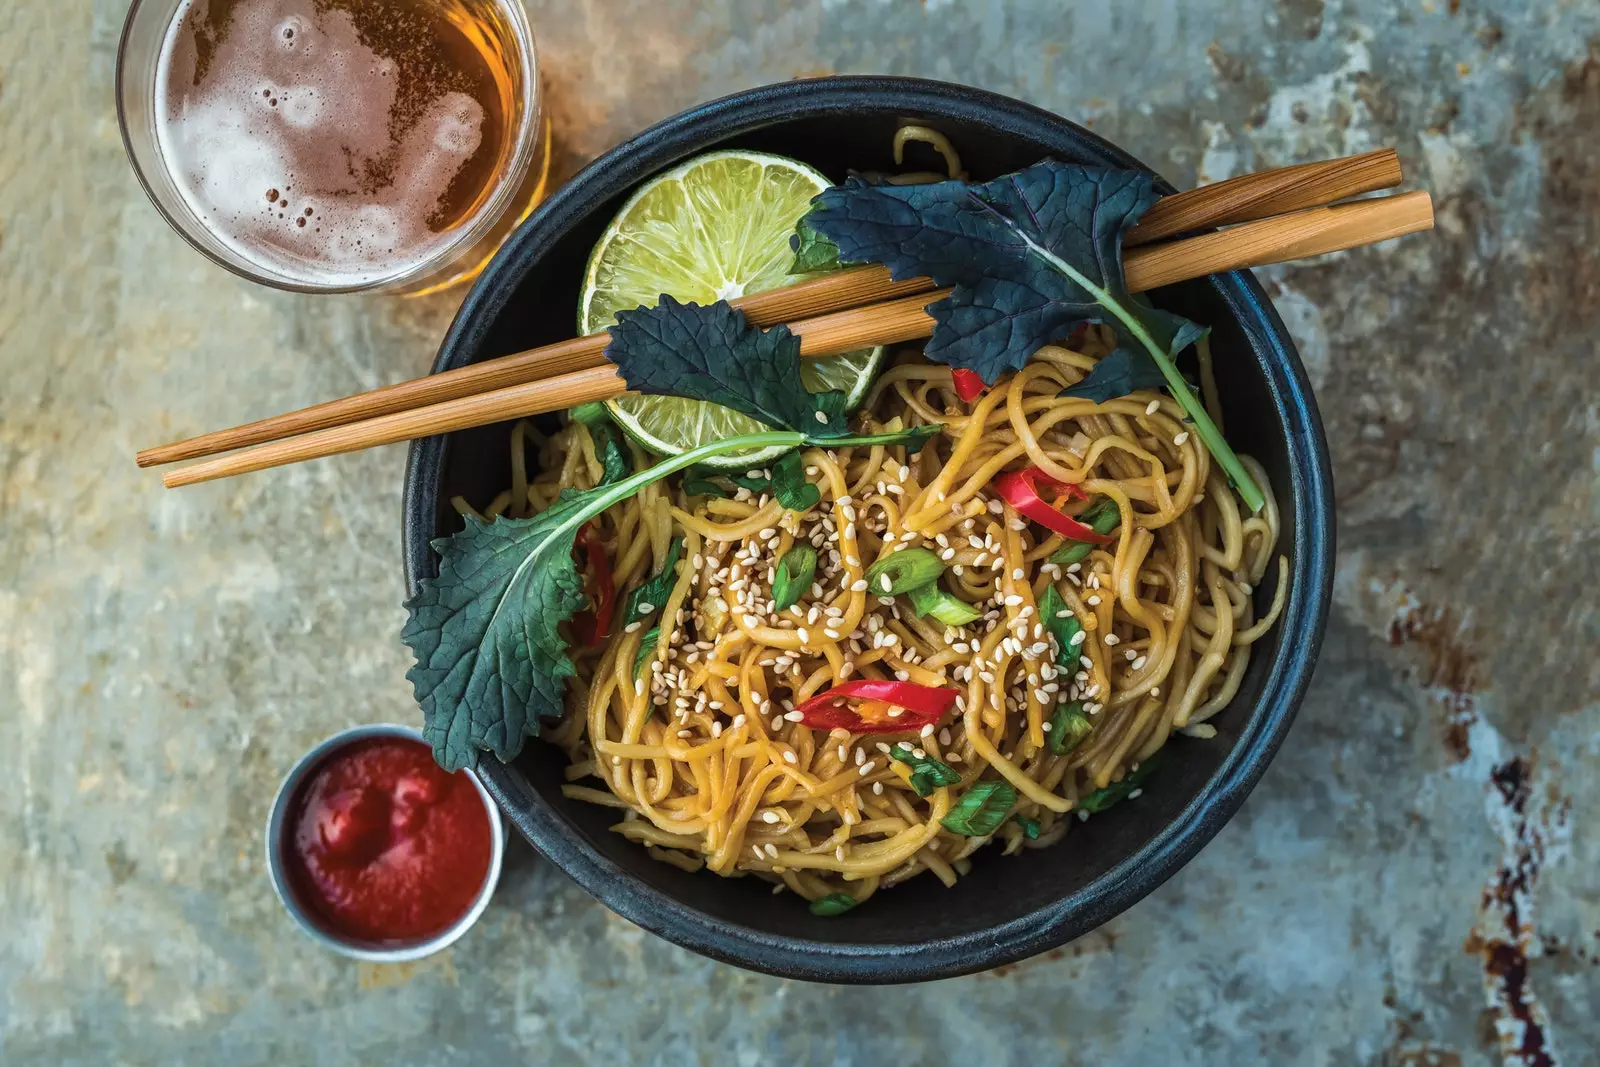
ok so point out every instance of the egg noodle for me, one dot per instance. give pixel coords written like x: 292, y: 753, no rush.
x: 703, y: 751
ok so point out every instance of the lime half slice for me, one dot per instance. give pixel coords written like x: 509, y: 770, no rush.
x: 714, y: 228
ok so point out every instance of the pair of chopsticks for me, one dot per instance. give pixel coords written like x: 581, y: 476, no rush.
x: 1272, y: 217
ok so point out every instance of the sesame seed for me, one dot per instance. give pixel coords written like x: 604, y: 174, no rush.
x: 1152, y: 407
x: 631, y: 627
x: 1092, y: 601
x: 789, y: 757
x: 1013, y: 600
x: 638, y: 687
x: 1181, y: 438
x: 1112, y: 639
x: 885, y: 583
x: 1138, y: 664
x: 866, y: 768
x: 822, y: 417
x: 1077, y: 638
x: 794, y: 716
x: 877, y: 788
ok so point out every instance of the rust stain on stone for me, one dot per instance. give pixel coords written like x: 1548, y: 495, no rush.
x: 1450, y: 667
x: 1505, y: 936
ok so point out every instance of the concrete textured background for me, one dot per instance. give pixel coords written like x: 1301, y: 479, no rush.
x: 1417, y: 879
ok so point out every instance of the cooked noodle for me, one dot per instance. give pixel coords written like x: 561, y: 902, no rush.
x: 699, y: 754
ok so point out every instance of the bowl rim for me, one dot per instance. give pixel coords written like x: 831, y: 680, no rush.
x: 277, y: 848
x: 1289, y: 673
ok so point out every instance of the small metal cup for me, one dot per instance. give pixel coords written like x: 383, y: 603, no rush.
x: 356, y: 948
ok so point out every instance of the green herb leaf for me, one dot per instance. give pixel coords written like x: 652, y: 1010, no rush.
x: 490, y: 658
x: 903, y: 571
x: 944, y: 606
x: 1069, y: 726
x: 796, y: 570
x: 833, y: 904
x: 927, y: 773
x: 1030, y: 827
x: 1030, y: 256
x: 812, y: 251
x: 712, y: 354
x: 1116, y: 792
x: 1102, y: 517
x: 789, y: 483
x: 981, y: 809
x: 655, y: 591
x: 647, y: 651
x: 608, y: 444
x: 1118, y: 374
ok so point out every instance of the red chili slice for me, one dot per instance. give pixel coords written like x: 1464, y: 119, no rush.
x: 1020, y: 489
x: 922, y: 704
x: 593, y: 626
x: 969, y: 385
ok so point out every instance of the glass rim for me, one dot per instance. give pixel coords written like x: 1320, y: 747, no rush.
x: 528, y: 133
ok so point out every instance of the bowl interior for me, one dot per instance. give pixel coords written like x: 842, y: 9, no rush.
x: 1008, y: 907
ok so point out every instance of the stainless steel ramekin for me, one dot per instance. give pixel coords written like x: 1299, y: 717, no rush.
x: 355, y: 948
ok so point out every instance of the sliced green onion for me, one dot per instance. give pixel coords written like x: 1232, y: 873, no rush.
x: 1116, y: 792
x: 650, y: 597
x: 833, y: 904
x: 946, y: 607
x: 794, y: 574
x: 1030, y: 827
x: 1068, y: 727
x: 981, y: 809
x: 1102, y: 516
x: 901, y: 572
x: 789, y: 483
x: 647, y: 650
x: 927, y: 773
x: 592, y: 412
x: 1063, y: 625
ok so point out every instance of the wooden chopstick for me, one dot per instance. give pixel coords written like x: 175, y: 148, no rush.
x: 1291, y: 189
x: 1241, y: 199
x: 1305, y: 233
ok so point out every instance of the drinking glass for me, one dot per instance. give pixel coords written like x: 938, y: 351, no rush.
x: 211, y: 148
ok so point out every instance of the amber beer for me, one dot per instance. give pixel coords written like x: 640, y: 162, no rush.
x: 346, y: 143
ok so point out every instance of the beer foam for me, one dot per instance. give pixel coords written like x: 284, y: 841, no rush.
x: 284, y: 147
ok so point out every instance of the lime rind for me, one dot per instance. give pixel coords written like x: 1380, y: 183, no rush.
x: 739, y: 209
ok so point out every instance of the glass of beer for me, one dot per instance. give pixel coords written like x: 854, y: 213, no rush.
x: 328, y: 146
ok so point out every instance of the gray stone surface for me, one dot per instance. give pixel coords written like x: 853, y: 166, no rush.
x: 164, y: 657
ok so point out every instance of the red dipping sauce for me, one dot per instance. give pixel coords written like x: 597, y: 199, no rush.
x: 383, y: 845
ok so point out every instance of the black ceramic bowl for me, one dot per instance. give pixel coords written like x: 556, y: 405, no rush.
x: 1008, y: 908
